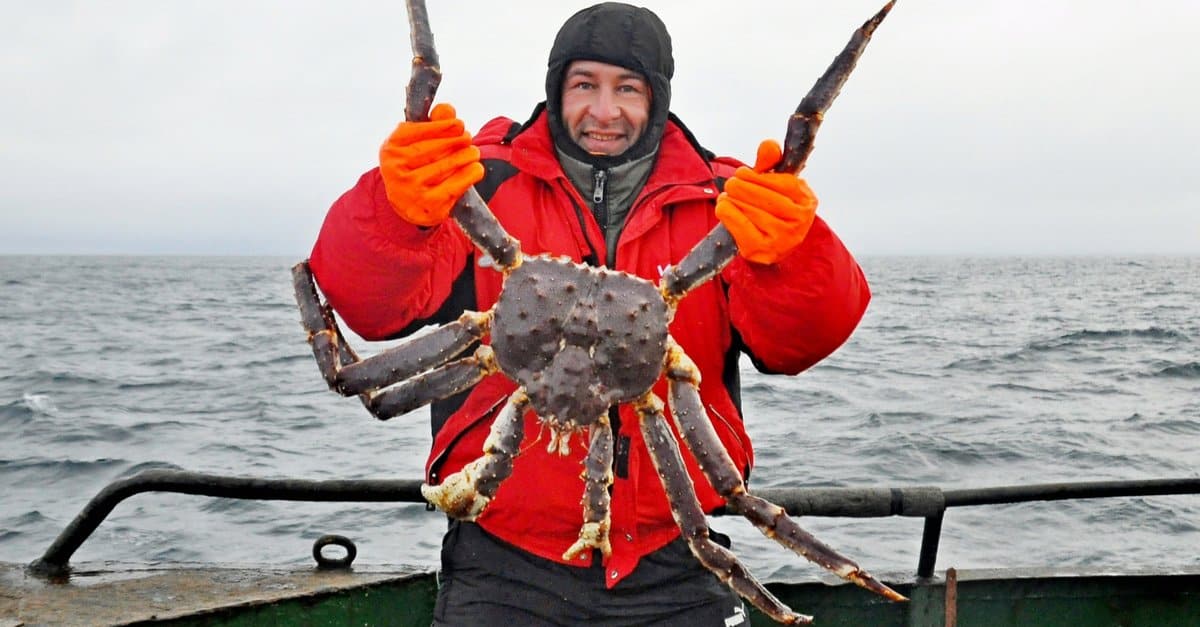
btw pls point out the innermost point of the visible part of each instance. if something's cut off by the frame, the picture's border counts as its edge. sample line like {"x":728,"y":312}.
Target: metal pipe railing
{"x":929,"y":503}
{"x":971,"y":497}
{"x":1075,"y":490}
{"x":55,"y":561}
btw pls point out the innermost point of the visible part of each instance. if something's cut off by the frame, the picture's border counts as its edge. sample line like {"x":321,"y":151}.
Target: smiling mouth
{"x":603,"y":142}
{"x":603,"y":137}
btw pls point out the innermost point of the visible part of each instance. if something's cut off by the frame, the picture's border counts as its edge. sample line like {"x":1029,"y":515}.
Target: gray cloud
{"x":995,"y":127}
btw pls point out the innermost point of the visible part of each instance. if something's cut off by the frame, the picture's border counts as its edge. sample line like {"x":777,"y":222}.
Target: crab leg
{"x":414,"y":356}
{"x":426,"y":70}
{"x":348,"y":375}
{"x":471,"y":212}
{"x":701,"y":438}
{"x":329,"y":347}
{"x":803,"y":125}
{"x":685,"y":507}
{"x":717,"y":249}
{"x":465,"y":493}
{"x":442,"y":382}
{"x":597,"y":477}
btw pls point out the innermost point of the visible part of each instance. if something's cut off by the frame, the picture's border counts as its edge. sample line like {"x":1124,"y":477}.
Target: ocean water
{"x":966,"y":372}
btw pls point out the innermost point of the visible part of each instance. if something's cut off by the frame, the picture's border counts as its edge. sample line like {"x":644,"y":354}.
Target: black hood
{"x":617,"y":34}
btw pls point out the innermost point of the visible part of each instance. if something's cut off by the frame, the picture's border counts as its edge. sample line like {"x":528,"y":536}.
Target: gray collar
{"x":622,"y":183}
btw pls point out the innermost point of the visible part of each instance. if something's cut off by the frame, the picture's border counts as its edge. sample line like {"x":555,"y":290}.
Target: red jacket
{"x":383,"y":275}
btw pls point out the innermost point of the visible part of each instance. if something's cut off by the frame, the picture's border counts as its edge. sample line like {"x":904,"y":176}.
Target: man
{"x":604,"y":174}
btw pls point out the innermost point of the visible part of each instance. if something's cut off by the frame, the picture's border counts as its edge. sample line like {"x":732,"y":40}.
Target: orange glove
{"x":428,"y":166}
{"x":768,"y":213}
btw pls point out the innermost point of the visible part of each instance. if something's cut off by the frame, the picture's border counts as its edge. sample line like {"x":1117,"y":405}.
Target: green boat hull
{"x":229,"y":596}
{"x":1005,"y":598}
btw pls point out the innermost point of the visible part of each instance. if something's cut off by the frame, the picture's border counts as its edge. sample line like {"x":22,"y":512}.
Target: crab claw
{"x":457,"y":495}
{"x":865,"y":580}
{"x":465,"y":493}
{"x":593,"y":535}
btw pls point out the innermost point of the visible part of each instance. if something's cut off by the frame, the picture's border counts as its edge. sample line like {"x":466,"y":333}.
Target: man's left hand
{"x":768,"y":213}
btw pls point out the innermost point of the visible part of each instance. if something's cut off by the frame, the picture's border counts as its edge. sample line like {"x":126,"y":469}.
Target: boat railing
{"x":929,"y":503}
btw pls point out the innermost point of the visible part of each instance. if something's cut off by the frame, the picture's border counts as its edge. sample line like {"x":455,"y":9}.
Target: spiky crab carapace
{"x":578,"y":340}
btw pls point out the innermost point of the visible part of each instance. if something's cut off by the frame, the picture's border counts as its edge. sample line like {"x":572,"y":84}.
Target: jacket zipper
{"x":599,"y":207}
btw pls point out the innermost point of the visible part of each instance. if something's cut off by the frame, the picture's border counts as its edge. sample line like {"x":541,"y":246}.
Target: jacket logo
{"x":737,"y":618}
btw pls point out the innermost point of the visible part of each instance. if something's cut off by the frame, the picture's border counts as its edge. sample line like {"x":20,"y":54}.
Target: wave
{"x":283,"y":360}
{"x":164,"y":362}
{"x":924,"y":280}
{"x":31,"y":518}
{"x":1075,"y":340}
{"x":1190,"y":370}
{"x":1091,"y":336}
{"x":244,"y":508}
{"x":44,"y":471}
{"x":173,"y":553}
{"x":1149,"y":514}
{"x":94,"y":433}
{"x":29,"y":407}
{"x":154,"y":465}
{"x":981,"y":364}
{"x":1046,"y":394}
{"x":59,"y":465}
{"x":155,"y":384}
{"x":1017,"y":387}
{"x":59,"y":378}
{"x":1170,"y":426}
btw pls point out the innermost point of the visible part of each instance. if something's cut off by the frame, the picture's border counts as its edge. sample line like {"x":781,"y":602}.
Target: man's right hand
{"x":428,"y":166}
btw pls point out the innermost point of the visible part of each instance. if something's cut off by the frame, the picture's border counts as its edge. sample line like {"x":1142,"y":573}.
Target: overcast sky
{"x":228,"y":127}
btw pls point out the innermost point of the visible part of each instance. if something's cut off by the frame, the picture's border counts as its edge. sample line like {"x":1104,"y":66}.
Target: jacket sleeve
{"x":379,"y":272}
{"x":794,"y":313}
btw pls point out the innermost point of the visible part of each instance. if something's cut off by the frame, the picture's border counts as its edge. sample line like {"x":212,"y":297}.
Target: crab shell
{"x":579,"y":339}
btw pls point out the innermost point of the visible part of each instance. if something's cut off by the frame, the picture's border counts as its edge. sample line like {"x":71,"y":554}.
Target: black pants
{"x":486,"y":581}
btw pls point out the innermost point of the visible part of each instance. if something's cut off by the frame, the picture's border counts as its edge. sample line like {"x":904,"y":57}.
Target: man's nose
{"x":605,"y":107}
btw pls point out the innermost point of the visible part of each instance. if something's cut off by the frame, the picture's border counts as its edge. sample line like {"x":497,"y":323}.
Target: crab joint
{"x":478,"y":323}
{"x":487,"y":359}
{"x":680,"y":367}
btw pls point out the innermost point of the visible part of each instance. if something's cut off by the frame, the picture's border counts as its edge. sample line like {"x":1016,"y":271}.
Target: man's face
{"x":604,"y":107}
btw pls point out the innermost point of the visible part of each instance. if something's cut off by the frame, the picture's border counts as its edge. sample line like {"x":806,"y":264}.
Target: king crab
{"x":579,"y":340}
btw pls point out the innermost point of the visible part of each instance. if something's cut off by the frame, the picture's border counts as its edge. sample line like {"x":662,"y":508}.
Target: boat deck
{"x":117,"y":594}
